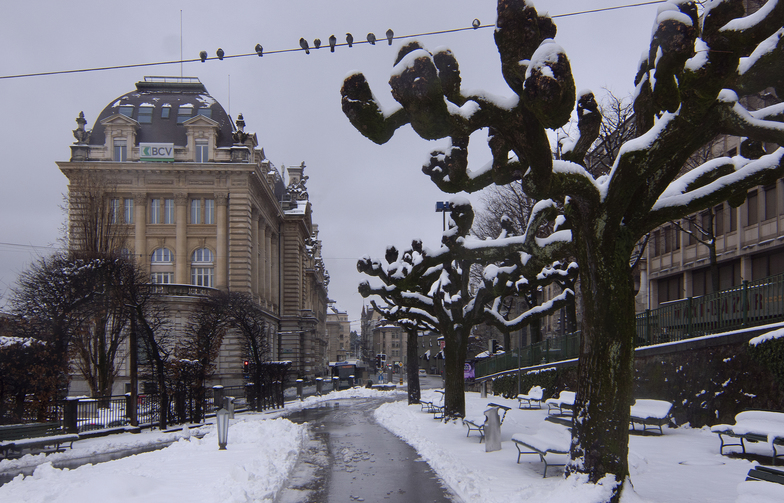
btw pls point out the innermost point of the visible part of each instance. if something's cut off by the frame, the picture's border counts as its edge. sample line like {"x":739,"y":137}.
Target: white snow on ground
{"x":683,"y":465}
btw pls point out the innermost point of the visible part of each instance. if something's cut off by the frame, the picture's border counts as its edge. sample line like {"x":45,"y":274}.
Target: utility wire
{"x":299,"y":49}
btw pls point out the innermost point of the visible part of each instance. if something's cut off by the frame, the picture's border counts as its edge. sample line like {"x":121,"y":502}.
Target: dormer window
{"x":126,"y":110}
{"x":202,"y":151}
{"x":206,"y":112}
{"x":145,"y":115}
{"x":184,"y":113}
{"x":165,"y":111}
{"x":120,"y":150}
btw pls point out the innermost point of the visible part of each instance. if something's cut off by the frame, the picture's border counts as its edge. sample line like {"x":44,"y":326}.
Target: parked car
{"x":422,"y":372}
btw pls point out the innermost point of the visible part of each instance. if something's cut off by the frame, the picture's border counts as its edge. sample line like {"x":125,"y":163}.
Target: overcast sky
{"x":364,"y":196}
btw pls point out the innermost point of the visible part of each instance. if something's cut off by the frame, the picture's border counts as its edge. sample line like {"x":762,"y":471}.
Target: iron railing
{"x":753,"y":303}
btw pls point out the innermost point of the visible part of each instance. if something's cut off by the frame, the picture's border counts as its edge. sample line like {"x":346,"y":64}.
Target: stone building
{"x":338,"y":335}
{"x":203,"y":208}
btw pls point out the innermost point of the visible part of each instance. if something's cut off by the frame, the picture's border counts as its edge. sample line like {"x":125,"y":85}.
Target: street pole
{"x":133,"y":361}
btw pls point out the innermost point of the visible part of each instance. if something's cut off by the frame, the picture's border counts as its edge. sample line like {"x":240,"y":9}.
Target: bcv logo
{"x":156,"y":151}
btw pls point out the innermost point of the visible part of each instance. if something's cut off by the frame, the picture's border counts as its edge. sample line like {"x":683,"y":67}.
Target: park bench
{"x":549,"y":440}
{"x":766,"y":473}
{"x":563,"y":404}
{"x":753,"y":426}
{"x":433,"y":407}
{"x":17,"y":437}
{"x":533,"y":398}
{"x":651,"y":414}
{"x":478,"y":424}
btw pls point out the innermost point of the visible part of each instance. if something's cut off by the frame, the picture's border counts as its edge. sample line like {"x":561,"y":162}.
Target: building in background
{"x":338,"y":335}
{"x":203,"y":208}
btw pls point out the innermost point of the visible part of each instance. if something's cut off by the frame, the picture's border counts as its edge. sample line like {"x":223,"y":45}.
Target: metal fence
{"x":751,"y":304}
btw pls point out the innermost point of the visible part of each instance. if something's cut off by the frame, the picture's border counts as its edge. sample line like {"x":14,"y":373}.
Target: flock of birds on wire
{"x":333,"y":42}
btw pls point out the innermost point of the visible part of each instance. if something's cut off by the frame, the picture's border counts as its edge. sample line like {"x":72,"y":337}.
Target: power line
{"x":180,"y":61}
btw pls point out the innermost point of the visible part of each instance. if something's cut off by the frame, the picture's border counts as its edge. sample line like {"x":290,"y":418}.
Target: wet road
{"x":349,"y":457}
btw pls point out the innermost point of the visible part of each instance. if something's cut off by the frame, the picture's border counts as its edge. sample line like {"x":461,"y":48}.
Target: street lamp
{"x":222,"y":417}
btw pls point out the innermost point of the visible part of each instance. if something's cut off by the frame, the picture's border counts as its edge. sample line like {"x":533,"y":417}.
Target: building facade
{"x":338,"y":335}
{"x":202,"y":207}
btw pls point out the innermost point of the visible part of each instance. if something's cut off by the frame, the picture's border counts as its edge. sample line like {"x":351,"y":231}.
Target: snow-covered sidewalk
{"x":682,"y":465}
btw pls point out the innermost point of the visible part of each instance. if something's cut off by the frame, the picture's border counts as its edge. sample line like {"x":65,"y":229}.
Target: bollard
{"x":492,"y":430}
{"x":300,"y":384}
{"x":217,"y":396}
{"x":483,"y":394}
{"x":350,"y":381}
{"x":319,"y":385}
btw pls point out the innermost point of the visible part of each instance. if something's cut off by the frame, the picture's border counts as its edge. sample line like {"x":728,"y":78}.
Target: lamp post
{"x":222,"y":418}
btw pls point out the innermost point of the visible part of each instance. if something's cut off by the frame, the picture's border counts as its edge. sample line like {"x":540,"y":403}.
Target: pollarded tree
{"x":424,"y":287}
{"x":701,"y":61}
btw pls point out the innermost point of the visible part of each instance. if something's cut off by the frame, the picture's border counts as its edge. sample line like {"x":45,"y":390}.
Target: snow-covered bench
{"x":16,"y":437}
{"x":563,"y":404}
{"x":754,"y":426}
{"x":478,"y":424}
{"x":437,"y":409}
{"x":533,"y":398}
{"x":650,"y":414}
{"x":549,"y":440}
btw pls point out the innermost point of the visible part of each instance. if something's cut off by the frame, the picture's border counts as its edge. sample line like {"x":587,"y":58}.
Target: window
{"x":168,"y":211}
{"x":155,"y":211}
{"x":162,"y":278}
{"x":120,"y":150}
{"x":165,"y":111}
{"x":770,"y":202}
{"x":206,"y":112}
{"x":202,"y":151}
{"x":162,"y":256}
{"x":184,"y":113}
{"x":126,"y":110}
{"x":733,"y":219}
{"x":195,"y":211}
{"x":114,"y":211}
{"x":670,"y":289}
{"x":128,"y":210}
{"x":751,"y":206}
{"x":202,"y":267}
{"x":656,"y":243}
{"x":145,"y":115}
{"x":209,"y":211}
{"x":718,"y":221}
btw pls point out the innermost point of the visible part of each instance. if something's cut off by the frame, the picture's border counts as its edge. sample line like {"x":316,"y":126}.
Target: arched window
{"x":161,"y":262}
{"x":202,"y":267}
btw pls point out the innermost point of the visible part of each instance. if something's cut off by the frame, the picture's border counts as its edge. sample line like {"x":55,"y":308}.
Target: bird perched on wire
{"x":332,"y":41}
{"x":349,"y":39}
{"x":220,"y":53}
{"x":390,"y":35}
{"x":476,"y":23}
{"x":259,"y":50}
{"x":304,"y":44}
{"x":317,"y":43}
{"x":371,"y":38}
{"x":203,"y":56}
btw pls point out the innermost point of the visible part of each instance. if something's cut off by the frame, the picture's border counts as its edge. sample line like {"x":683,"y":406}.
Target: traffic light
{"x":378,"y":361}
{"x":495,"y":347}
{"x":246,"y":367}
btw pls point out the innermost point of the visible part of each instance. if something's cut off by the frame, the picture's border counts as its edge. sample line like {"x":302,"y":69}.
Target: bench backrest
{"x":536,"y":393}
{"x":760,"y":415}
{"x":26,"y":430}
{"x":567,"y":397}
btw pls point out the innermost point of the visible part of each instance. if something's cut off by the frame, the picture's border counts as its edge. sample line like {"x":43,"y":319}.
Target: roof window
{"x":126,"y":110}
{"x":206,"y":112}
{"x":145,"y":115}
{"x":183,"y":114}
{"x":165,"y":111}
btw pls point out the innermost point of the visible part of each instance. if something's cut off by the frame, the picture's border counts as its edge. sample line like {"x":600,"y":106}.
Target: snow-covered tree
{"x":430,"y":288}
{"x":702,"y":59}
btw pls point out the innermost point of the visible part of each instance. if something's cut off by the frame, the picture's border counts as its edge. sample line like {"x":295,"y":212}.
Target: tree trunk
{"x":412,"y":368}
{"x":455,"y":347}
{"x":606,"y":367}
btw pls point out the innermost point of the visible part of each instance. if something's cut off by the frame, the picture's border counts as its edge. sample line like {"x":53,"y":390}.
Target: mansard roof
{"x":186,"y":94}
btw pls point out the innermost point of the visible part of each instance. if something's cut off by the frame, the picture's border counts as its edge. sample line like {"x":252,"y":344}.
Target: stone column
{"x":222,"y":248}
{"x":263,"y":259}
{"x":254,"y":251}
{"x":181,"y":258}
{"x":140,"y":232}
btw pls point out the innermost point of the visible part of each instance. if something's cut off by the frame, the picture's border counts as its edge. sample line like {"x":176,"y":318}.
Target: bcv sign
{"x":156,"y":152}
